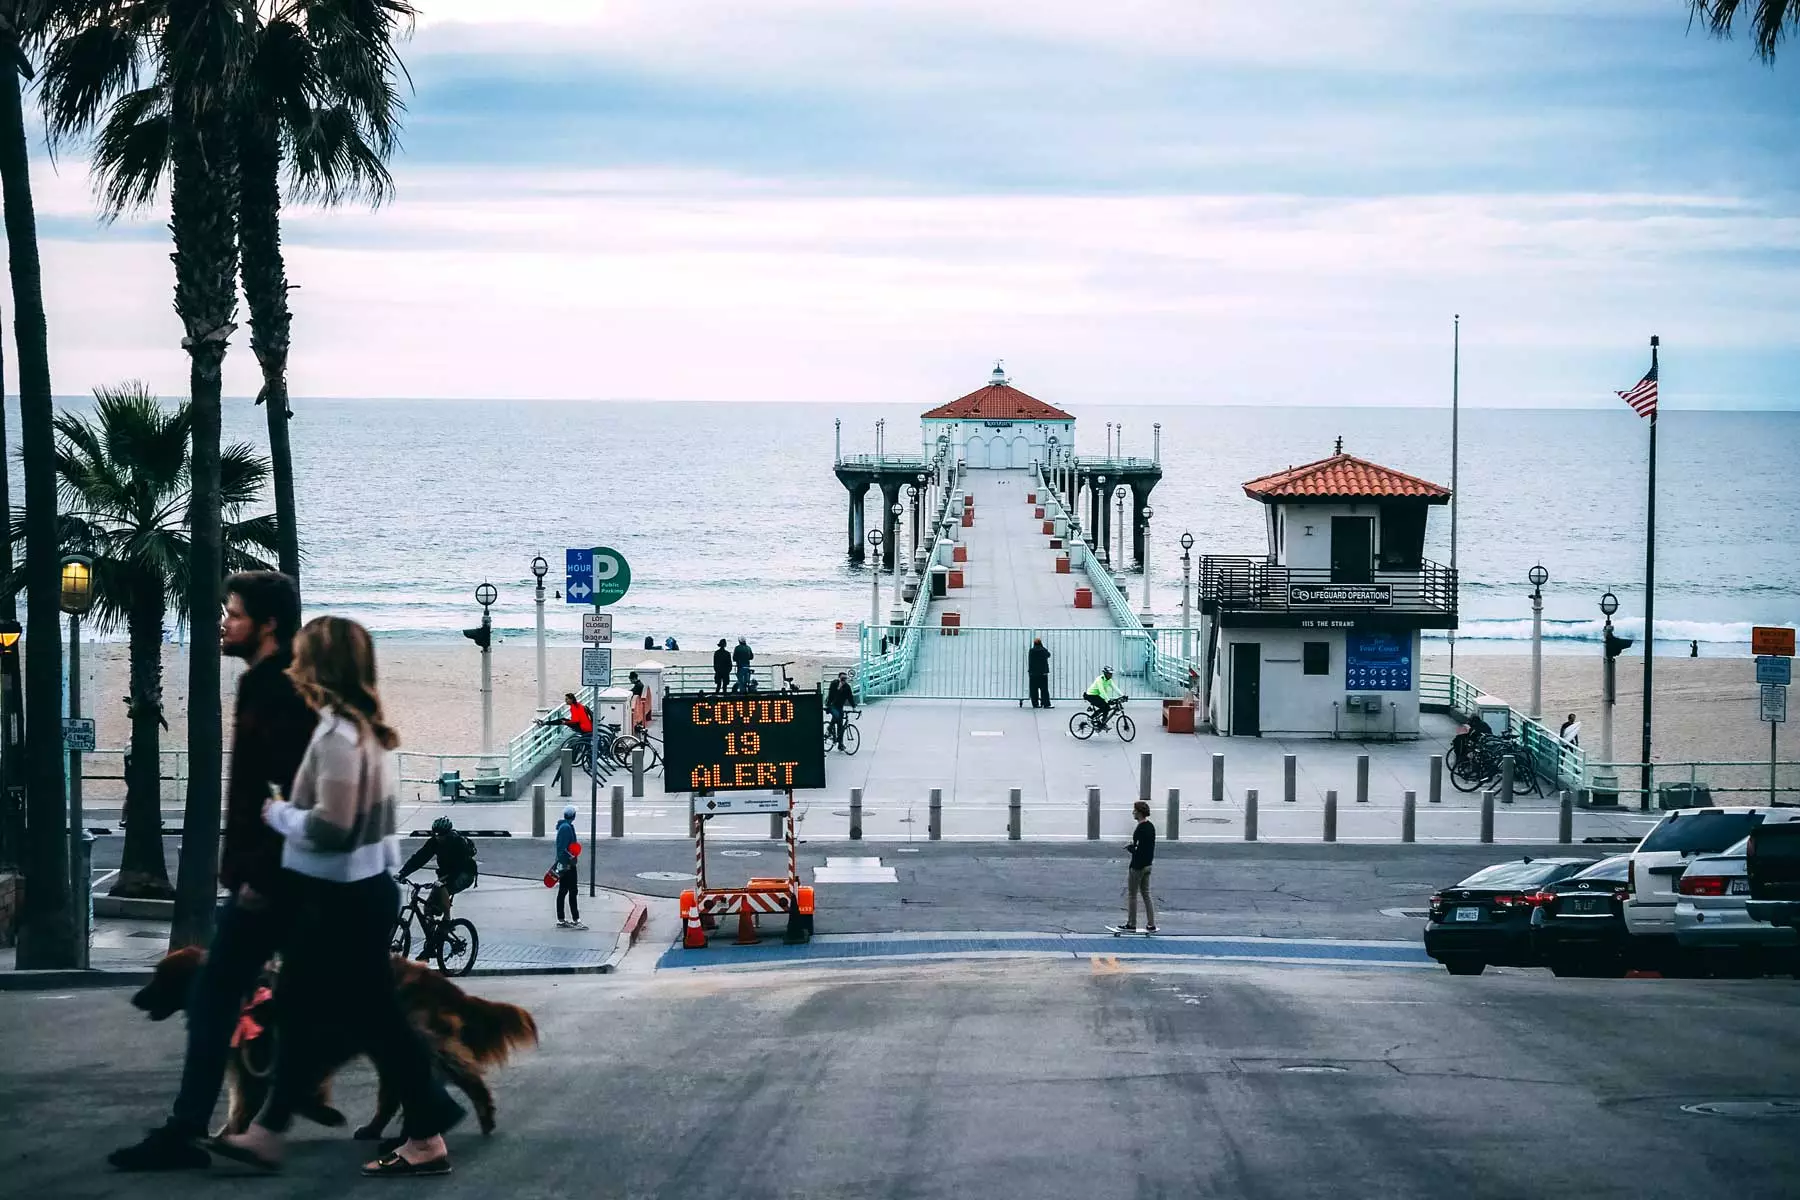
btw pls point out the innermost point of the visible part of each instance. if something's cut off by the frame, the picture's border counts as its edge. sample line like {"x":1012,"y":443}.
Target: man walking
{"x":1037,"y":669}
{"x":742,"y":656}
{"x":721,"y":668}
{"x":1137,"y":878}
{"x":270,"y":731}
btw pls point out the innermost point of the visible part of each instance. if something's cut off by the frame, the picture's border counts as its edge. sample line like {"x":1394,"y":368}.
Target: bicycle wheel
{"x":458,"y":944}
{"x":852,"y":739}
{"x":1126,"y":726}
{"x":1082,"y":726}
{"x":1525,"y":780}
{"x":622,"y":748}
{"x":1468,"y":775}
{"x":401,"y":942}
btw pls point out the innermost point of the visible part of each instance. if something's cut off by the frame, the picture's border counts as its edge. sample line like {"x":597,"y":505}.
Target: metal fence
{"x":989,"y":663}
{"x":1682,"y":784}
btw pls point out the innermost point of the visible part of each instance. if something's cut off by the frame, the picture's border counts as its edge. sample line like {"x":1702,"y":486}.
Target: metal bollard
{"x":1565,"y":818}
{"x":1436,"y":795}
{"x":1362,"y":779}
{"x":565,"y":770}
{"x":1172,"y":828}
{"x":1289,"y":764}
{"x":1506,"y":779}
{"x":1218,"y":779}
{"x":1012,"y":815}
{"x":777,"y":826}
{"x":1250,"y":815}
{"x":1331,"y":816}
{"x":1144,"y":777}
{"x":856,"y":814}
{"x":537,"y":809}
{"x":1409,"y":818}
{"x":936,"y":823}
{"x":81,"y":850}
{"x":1093,"y":814}
{"x":618,"y":810}
{"x":1487,"y":818}
{"x":637,"y":772}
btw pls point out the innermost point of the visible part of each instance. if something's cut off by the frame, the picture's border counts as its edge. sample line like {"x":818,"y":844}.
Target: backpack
{"x":463,"y":855}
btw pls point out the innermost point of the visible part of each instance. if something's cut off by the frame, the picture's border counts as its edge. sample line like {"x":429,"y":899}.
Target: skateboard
{"x":1121,"y":931}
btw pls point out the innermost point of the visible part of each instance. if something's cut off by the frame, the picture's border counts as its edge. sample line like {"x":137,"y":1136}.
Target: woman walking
{"x":338,"y":855}
{"x":568,"y":879}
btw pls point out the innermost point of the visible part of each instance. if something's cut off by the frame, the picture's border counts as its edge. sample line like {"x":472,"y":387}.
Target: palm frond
{"x":85,"y":68}
{"x":131,"y":151}
{"x":1770,"y":24}
{"x":332,"y":160}
{"x":243,"y":473}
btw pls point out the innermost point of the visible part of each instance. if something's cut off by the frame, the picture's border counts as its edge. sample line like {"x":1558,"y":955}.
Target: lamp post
{"x":1119,"y":506}
{"x":485,"y":595}
{"x":1100,"y":496}
{"x":1187,"y":612}
{"x":897,"y":614}
{"x":874,"y":581}
{"x":1538,"y":577}
{"x":1109,"y":427}
{"x":541,"y":568}
{"x":12,"y":748}
{"x":1076,"y":563}
{"x":1055,"y":464}
{"x":77,"y":599}
{"x":879,"y":424}
{"x":918,"y":527}
{"x":1611,"y":647}
{"x":1144,"y":617}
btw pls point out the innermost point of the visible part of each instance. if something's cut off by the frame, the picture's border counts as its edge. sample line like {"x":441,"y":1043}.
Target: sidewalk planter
{"x":950,"y":624}
{"x":1062,"y":565}
{"x":1031,"y":498}
{"x":1178,"y":716}
{"x":1084,"y":597}
{"x":1049,"y":526}
{"x":968,"y":518}
{"x":956,"y":578}
{"x":1039,"y":514}
{"x":959,"y":553}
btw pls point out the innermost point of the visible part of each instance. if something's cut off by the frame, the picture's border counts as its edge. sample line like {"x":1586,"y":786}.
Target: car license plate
{"x":1468,"y":914}
{"x":1739,"y":887}
{"x":1586,"y":904}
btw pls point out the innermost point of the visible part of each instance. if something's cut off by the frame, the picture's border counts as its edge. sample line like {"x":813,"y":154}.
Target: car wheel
{"x":1464,"y":966}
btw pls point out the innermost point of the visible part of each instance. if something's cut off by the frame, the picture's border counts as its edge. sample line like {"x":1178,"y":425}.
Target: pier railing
{"x":891,"y":461}
{"x":1559,"y":762}
{"x":990,"y":662}
{"x":886,"y":669}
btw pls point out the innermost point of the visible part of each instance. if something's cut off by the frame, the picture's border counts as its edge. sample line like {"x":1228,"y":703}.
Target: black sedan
{"x":1487,"y":917}
{"x":1579,"y":927}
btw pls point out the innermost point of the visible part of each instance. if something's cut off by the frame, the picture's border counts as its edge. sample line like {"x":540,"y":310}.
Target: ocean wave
{"x":1706,"y":632}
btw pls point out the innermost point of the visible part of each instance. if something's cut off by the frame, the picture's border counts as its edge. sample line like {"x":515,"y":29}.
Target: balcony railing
{"x":1239,"y":583}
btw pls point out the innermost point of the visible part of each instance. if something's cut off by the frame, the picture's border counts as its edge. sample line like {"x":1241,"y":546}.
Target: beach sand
{"x":430,"y":691}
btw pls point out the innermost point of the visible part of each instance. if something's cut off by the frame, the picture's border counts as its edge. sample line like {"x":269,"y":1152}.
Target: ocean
{"x":733,"y":522}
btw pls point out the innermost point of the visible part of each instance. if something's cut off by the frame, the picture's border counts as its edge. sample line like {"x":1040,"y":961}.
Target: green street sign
{"x":612,"y":575}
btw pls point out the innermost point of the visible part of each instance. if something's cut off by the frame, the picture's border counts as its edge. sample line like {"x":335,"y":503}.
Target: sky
{"x":1144,"y":201}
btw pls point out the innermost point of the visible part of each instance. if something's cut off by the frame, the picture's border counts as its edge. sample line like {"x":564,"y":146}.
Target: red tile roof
{"x":999,"y":402}
{"x":1343,"y":477}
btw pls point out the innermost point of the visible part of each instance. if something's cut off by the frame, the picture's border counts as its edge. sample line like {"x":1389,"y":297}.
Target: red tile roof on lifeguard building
{"x":1344,"y":477}
{"x":999,"y":402}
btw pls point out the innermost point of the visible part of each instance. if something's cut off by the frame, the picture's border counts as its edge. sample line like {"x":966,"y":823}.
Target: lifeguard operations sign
{"x":743,"y":741}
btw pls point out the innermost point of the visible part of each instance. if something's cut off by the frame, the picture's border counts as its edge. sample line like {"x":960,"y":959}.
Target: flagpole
{"x":1650,"y":582}
{"x":1455,"y":414}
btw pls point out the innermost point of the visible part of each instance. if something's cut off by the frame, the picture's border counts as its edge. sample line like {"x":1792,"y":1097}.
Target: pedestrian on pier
{"x":1037,"y":669}
{"x":742,"y":656}
{"x":1137,"y":877}
{"x":721,"y":668}
{"x":568,"y":879}
{"x":1570,"y":731}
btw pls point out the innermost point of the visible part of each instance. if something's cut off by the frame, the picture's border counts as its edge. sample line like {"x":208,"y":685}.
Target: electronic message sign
{"x":743,"y":741}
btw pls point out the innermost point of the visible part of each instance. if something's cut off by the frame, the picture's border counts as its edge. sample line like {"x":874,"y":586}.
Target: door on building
{"x":1352,"y":549}
{"x":1246,"y":689}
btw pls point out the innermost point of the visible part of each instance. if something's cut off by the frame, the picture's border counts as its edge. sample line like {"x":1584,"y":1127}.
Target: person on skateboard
{"x":1137,"y":880}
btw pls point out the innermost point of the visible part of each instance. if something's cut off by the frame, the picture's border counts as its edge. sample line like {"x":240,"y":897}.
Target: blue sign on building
{"x":1378,"y":662}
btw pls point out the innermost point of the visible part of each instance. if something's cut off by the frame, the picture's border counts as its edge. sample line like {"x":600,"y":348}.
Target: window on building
{"x":1315,"y":658}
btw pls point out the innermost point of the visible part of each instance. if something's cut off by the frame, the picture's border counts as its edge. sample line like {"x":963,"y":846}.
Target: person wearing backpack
{"x":456,"y":867}
{"x":567,"y":877}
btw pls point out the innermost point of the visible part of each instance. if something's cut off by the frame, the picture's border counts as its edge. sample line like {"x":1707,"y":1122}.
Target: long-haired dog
{"x":465,"y":1034}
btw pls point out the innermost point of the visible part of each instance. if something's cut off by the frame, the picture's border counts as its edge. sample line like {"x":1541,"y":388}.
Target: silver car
{"x":1710,"y":907}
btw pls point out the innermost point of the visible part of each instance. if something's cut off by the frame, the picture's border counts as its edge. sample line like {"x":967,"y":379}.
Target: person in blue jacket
{"x":567,"y":877}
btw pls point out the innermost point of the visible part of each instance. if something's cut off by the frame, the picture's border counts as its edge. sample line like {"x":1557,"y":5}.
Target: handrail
{"x":885,"y":673}
{"x":1256,"y":583}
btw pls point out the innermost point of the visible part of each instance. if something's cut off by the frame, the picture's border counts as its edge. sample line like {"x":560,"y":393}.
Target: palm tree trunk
{"x":47,"y":927}
{"x":9,"y":602}
{"x":203,"y":203}
{"x":143,"y":871}
{"x":265,"y":290}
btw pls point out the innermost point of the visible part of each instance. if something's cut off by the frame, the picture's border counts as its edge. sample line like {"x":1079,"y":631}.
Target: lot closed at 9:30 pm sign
{"x":743,"y":742}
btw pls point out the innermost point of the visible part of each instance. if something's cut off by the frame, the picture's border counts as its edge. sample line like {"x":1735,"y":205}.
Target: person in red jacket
{"x":270,"y":731}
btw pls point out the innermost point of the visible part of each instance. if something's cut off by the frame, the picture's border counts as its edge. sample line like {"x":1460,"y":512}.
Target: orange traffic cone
{"x":747,"y":935}
{"x":693,"y":937}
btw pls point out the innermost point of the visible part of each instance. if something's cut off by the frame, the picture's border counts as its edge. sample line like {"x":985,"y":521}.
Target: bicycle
{"x":453,"y":943}
{"x":581,"y":746}
{"x":1084,"y":725}
{"x":1480,"y":762}
{"x":848,"y":739}
{"x":627,"y":744}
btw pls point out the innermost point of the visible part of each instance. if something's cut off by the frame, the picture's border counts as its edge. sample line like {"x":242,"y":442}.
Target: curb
{"x":97,"y":977}
{"x":635,"y":920}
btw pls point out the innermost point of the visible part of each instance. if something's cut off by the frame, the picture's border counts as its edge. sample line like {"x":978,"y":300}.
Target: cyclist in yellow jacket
{"x":1101,"y":693}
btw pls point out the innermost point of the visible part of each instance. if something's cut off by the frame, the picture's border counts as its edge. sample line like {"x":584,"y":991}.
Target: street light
{"x":483,"y":636}
{"x":918,"y":528}
{"x":1144,"y":616}
{"x":875,"y":580}
{"x":540,"y":568}
{"x":1611,"y":646}
{"x":1187,"y":617}
{"x":1100,"y":494}
{"x":1119,"y":505}
{"x":1538,"y":577}
{"x":76,"y":599}
{"x":895,"y":614}
{"x":12,"y":748}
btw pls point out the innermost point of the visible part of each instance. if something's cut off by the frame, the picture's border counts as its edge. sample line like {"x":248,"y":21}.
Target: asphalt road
{"x":1044,"y":1079}
{"x":1268,"y":890}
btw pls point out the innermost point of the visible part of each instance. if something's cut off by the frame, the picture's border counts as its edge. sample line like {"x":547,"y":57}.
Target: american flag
{"x":1642,"y":398}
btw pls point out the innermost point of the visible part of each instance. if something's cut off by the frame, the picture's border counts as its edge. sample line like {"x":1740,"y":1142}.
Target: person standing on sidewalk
{"x":1137,"y":878}
{"x":742,"y":656}
{"x":568,"y":879}
{"x":721,"y":668}
{"x":271,"y":727}
{"x":1037,"y":670}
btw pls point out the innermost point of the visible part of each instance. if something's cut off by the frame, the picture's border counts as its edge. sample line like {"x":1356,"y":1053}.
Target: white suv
{"x":1665,"y":852}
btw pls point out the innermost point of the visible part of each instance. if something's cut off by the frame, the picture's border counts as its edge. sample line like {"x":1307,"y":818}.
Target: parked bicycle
{"x":1477,"y":762}
{"x":848,"y":739}
{"x":1085,"y":725}
{"x":625,"y":745}
{"x":453,"y":943}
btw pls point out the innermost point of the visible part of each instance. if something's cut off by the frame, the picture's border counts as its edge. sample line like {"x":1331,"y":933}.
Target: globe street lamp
{"x":918,"y":529}
{"x":896,"y":613}
{"x":875,"y":580}
{"x":1538,"y":577}
{"x":1100,"y":497}
{"x":1119,"y":506}
{"x":1611,"y":647}
{"x":77,"y":599}
{"x":1145,"y":616}
{"x":541,"y":568}
{"x":485,"y":595}
{"x":1187,"y":619}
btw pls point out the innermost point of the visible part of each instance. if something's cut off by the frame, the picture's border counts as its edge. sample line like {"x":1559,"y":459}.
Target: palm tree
{"x":1772,"y":21}
{"x":47,"y":933}
{"x":124,"y":482}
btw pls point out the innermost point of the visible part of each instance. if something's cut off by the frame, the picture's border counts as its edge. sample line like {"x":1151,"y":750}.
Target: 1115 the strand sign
{"x":743,"y":742}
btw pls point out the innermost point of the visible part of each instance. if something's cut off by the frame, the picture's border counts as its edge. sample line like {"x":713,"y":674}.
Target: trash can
{"x":940,"y":582}
{"x":449,"y":784}
{"x":1683,"y":795}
